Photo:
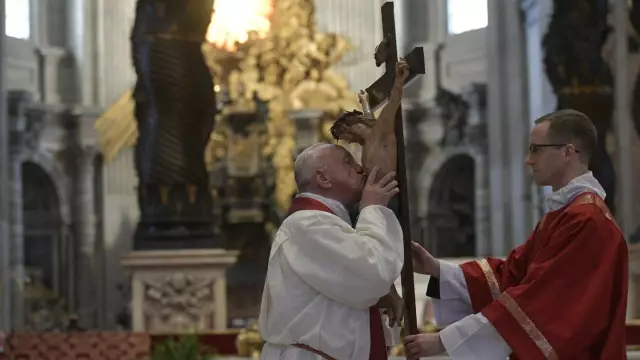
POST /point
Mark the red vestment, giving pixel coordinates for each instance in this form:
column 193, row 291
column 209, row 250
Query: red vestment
column 378, row 348
column 563, row 293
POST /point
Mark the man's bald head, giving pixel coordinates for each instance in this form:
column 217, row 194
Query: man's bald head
column 329, row 170
column 309, row 160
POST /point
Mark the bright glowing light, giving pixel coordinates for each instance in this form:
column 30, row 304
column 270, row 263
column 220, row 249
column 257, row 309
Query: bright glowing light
column 233, row 20
column 466, row 15
column 17, row 19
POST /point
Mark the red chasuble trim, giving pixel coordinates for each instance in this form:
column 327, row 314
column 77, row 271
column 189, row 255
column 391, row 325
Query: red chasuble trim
column 490, row 277
column 482, row 282
column 528, row 326
column 377, row 347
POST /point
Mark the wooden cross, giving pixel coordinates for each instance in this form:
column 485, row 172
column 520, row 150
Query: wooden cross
column 387, row 53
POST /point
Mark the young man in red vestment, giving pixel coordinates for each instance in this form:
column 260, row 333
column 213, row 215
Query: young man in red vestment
column 326, row 279
column 563, row 293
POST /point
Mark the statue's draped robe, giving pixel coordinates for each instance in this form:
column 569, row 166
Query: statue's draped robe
column 561, row 295
column 323, row 278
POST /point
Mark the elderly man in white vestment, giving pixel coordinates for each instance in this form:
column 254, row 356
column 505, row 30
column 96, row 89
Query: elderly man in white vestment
column 325, row 277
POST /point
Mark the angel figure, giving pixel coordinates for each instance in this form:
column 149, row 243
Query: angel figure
column 377, row 137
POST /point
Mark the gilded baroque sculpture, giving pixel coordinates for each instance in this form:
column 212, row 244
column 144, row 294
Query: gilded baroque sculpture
column 289, row 69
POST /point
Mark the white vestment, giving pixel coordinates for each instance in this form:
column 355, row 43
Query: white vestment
column 469, row 336
column 322, row 277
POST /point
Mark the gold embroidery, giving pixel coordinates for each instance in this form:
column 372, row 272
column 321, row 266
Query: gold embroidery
column 529, row 327
column 592, row 199
column 491, row 278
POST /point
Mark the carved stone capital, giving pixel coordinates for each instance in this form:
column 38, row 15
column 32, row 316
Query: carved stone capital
column 49, row 64
column 28, row 120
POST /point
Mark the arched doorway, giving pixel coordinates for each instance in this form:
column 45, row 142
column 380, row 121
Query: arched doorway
column 42, row 233
column 451, row 209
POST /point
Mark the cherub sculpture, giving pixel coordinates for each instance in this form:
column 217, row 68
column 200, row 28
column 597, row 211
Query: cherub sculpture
column 377, row 137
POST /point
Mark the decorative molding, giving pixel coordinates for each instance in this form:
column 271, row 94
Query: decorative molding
column 179, row 291
column 180, row 302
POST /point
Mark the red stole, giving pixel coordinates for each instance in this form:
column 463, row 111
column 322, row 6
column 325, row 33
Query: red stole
column 378, row 347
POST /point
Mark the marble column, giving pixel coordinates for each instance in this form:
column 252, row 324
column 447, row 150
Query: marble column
column 80, row 164
column 5, row 242
column 507, row 127
column 16, row 231
column 86, row 236
column 80, row 32
column 623, row 127
column 542, row 100
column 624, row 131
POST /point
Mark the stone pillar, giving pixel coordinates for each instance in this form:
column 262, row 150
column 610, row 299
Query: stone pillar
column 308, row 128
column 507, row 129
column 16, row 231
column 542, row 100
column 22, row 131
column 624, row 132
column 623, row 127
column 49, row 61
column 81, row 152
column 80, row 32
column 5, row 244
column 88, row 283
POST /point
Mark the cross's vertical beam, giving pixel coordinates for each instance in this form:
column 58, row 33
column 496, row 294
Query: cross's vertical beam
column 408, row 288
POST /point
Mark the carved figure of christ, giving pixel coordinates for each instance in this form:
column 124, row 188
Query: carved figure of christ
column 376, row 136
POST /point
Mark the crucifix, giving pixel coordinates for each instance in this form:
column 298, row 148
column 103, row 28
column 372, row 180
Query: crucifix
column 379, row 92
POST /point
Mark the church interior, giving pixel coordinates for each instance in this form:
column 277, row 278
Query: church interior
column 148, row 235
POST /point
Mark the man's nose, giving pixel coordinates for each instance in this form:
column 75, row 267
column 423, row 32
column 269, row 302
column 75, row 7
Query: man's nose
column 359, row 169
column 527, row 160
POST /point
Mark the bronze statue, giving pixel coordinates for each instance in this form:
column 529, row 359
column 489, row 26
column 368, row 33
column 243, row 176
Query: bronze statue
column 580, row 76
column 174, row 110
column 377, row 137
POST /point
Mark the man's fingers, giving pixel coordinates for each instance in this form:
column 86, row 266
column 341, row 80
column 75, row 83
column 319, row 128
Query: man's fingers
column 411, row 338
column 387, row 178
column 392, row 184
column 393, row 192
column 372, row 175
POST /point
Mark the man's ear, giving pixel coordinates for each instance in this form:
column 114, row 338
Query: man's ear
column 322, row 180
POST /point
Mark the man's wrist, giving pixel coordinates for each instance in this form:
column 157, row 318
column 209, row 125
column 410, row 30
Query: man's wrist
column 435, row 268
column 441, row 345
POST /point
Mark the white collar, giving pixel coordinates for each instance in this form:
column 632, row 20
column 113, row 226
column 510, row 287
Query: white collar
column 583, row 183
column 335, row 206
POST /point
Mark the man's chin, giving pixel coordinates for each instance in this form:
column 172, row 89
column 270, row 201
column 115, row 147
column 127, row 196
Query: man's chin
column 539, row 182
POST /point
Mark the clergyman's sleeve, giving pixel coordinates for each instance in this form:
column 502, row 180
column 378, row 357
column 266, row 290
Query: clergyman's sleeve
column 355, row 267
column 474, row 337
column 451, row 301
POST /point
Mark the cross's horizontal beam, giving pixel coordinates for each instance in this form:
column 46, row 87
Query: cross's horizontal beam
column 380, row 90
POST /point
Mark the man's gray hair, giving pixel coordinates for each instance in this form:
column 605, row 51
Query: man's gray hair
column 306, row 164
